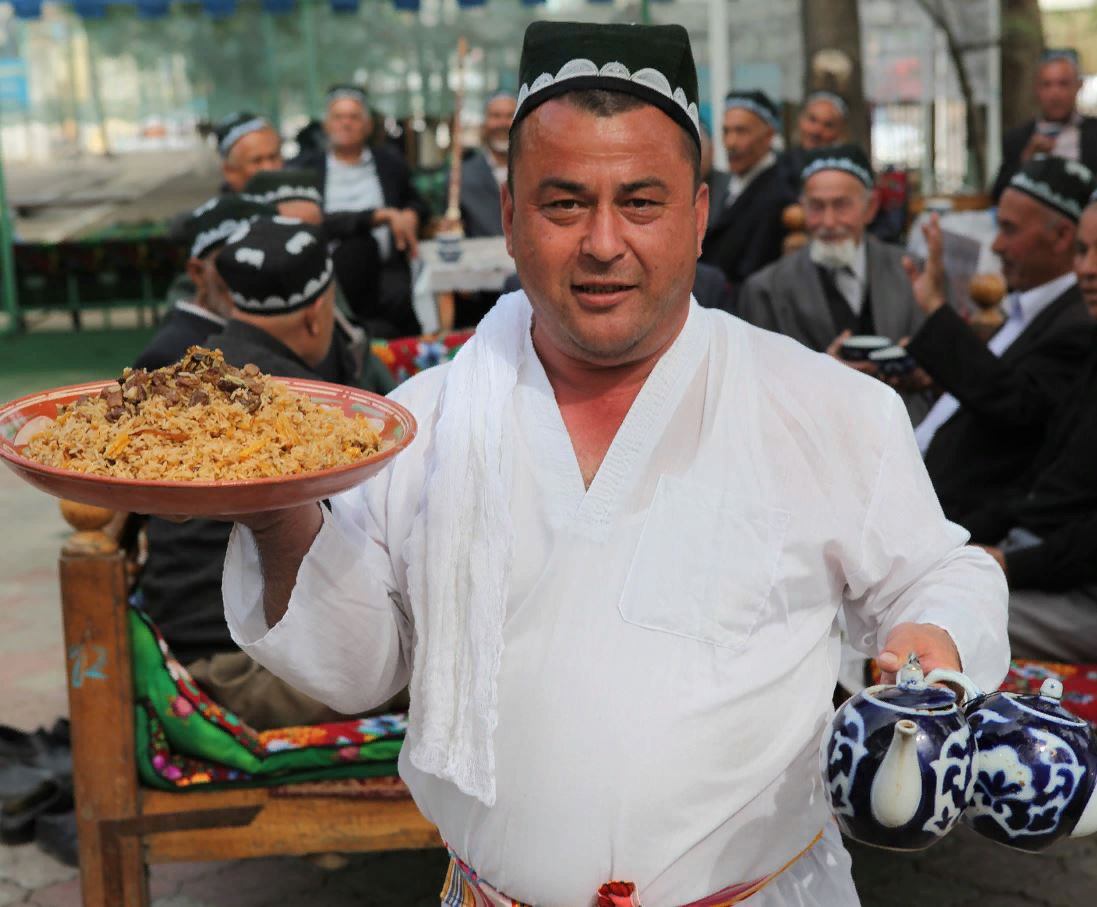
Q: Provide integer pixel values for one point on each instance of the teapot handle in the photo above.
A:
(943, 675)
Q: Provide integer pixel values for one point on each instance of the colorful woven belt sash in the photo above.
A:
(463, 888)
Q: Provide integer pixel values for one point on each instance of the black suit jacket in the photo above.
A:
(1059, 505)
(1014, 141)
(747, 235)
(990, 444)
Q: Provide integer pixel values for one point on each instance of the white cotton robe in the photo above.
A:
(671, 639)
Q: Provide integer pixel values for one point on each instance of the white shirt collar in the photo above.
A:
(859, 265)
(192, 309)
(738, 183)
(1027, 305)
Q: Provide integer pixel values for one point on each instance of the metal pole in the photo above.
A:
(312, 75)
(994, 92)
(719, 76)
(266, 24)
(7, 260)
(645, 12)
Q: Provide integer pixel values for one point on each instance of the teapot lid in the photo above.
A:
(1047, 703)
(912, 692)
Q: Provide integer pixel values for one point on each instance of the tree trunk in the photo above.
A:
(832, 59)
(1022, 44)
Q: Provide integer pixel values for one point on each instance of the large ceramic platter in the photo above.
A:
(23, 418)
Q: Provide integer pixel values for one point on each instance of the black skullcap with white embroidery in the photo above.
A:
(349, 92)
(651, 62)
(211, 224)
(1064, 186)
(757, 102)
(275, 265)
(849, 158)
(234, 127)
(272, 187)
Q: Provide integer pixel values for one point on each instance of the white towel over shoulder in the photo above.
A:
(459, 558)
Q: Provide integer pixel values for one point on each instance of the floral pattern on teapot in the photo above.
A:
(1036, 770)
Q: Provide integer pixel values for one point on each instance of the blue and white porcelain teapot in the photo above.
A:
(1036, 769)
(898, 762)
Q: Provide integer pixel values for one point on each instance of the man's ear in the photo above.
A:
(701, 202)
(506, 203)
(194, 271)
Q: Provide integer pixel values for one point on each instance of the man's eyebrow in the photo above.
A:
(651, 182)
(561, 184)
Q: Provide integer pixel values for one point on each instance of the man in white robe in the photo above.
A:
(612, 563)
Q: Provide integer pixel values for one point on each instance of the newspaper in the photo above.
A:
(961, 260)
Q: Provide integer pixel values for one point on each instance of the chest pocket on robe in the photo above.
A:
(704, 565)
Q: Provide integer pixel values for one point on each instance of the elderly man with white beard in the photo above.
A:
(844, 281)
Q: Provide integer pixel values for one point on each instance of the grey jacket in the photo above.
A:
(787, 297)
(480, 211)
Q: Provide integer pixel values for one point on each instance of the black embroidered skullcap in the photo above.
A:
(353, 92)
(1064, 186)
(1053, 54)
(275, 265)
(849, 158)
(757, 102)
(234, 127)
(651, 62)
(836, 100)
(211, 224)
(272, 187)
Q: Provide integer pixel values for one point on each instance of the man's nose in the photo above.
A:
(603, 240)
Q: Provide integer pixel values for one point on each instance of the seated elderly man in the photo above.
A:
(206, 309)
(281, 282)
(1043, 532)
(248, 144)
(982, 436)
(844, 281)
(747, 233)
(821, 124)
(373, 183)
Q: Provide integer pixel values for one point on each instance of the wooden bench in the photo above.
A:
(123, 827)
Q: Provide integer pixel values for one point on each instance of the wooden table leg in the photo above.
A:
(100, 687)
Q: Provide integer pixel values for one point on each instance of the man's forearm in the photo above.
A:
(283, 542)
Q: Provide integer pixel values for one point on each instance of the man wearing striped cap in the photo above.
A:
(247, 144)
(747, 233)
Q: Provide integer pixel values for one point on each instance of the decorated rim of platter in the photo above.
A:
(394, 422)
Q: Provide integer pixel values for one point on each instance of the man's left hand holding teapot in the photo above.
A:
(933, 646)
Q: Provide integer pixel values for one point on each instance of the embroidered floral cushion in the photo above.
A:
(186, 741)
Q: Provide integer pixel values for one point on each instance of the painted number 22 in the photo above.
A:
(88, 663)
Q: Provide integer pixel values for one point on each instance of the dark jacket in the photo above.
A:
(1014, 141)
(1059, 505)
(181, 581)
(990, 444)
(180, 331)
(747, 235)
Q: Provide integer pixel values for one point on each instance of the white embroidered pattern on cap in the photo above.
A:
(253, 257)
(299, 241)
(580, 66)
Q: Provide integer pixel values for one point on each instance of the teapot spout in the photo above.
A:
(897, 788)
(1087, 822)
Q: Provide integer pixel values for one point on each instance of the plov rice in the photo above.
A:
(201, 420)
